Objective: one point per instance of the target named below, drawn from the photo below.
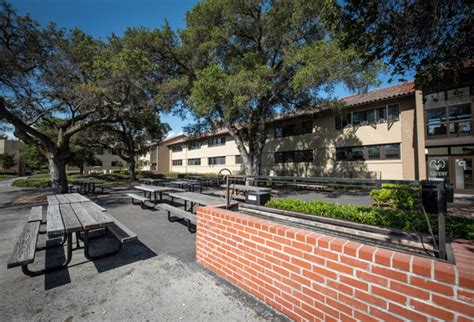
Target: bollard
(442, 209)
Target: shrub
(397, 196)
(412, 221)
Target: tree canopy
(433, 39)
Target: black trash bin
(429, 194)
(258, 198)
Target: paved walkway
(154, 279)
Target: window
(238, 159)
(449, 121)
(294, 156)
(294, 129)
(112, 164)
(393, 113)
(177, 148)
(216, 141)
(196, 161)
(177, 162)
(194, 145)
(216, 160)
(371, 152)
(392, 151)
(153, 166)
(384, 114)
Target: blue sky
(100, 18)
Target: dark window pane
(436, 130)
(307, 127)
(381, 115)
(194, 145)
(392, 151)
(342, 154)
(373, 152)
(371, 116)
(288, 156)
(393, 113)
(194, 161)
(357, 153)
(238, 159)
(178, 162)
(278, 132)
(359, 118)
(176, 148)
(460, 112)
(436, 115)
(278, 157)
(466, 150)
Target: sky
(100, 18)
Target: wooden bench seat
(25, 249)
(189, 217)
(308, 186)
(36, 214)
(121, 232)
(141, 199)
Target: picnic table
(67, 214)
(149, 190)
(186, 184)
(152, 181)
(86, 186)
(242, 187)
(196, 199)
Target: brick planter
(311, 276)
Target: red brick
(302, 246)
(313, 276)
(432, 286)
(292, 232)
(325, 290)
(383, 257)
(281, 256)
(339, 306)
(324, 272)
(372, 300)
(354, 282)
(313, 311)
(405, 289)
(401, 261)
(463, 319)
(444, 272)
(274, 245)
(354, 303)
(312, 238)
(454, 305)
(291, 267)
(315, 259)
(314, 295)
(345, 318)
(407, 313)
(363, 317)
(340, 268)
(354, 262)
(265, 235)
(300, 263)
(293, 251)
(326, 254)
(281, 271)
(303, 298)
(337, 244)
(384, 316)
(340, 287)
(351, 248)
(366, 252)
(372, 278)
(386, 294)
(466, 279)
(431, 310)
(306, 315)
(466, 296)
(282, 240)
(300, 279)
(421, 266)
(390, 273)
(324, 241)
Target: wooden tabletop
(198, 198)
(185, 182)
(154, 188)
(75, 217)
(243, 187)
(66, 198)
(152, 180)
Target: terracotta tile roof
(381, 94)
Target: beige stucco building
(12, 147)
(395, 132)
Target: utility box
(257, 198)
(429, 194)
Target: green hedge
(42, 180)
(412, 221)
(399, 196)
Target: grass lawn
(41, 180)
(5, 176)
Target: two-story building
(390, 133)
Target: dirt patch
(32, 198)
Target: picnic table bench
(63, 219)
(186, 184)
(148, 192)
(152, 181)
(242, 187)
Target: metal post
(442, 208)
(227, 196)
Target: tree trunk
(57, 172)
(131, 170)
(81, 169)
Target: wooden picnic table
(66, 198)
(186, 184)
(88, 186)
(196, 199)
(149, 190)
(152, 181)
(242, 187)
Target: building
(12, 147)
(108, 161)
(159, 155)
(395, 132)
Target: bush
(36, 181)
(397, 196)
(412, 221)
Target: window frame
(215, 158)
(194, 159)
(293, 129)
(348, 154)
(292, 157)
(347, 119)
(216, 141)
(177, 163)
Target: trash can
(429, 194)
(258, 198)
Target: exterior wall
(13, 148)
(323, 141)
(107, 158)
(420, 136)
(228, 150)
(312, 276)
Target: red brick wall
(310, 276)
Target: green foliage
(412, 221)
(42, 180)
(7, 161)
(397, 196)
(33, 157)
